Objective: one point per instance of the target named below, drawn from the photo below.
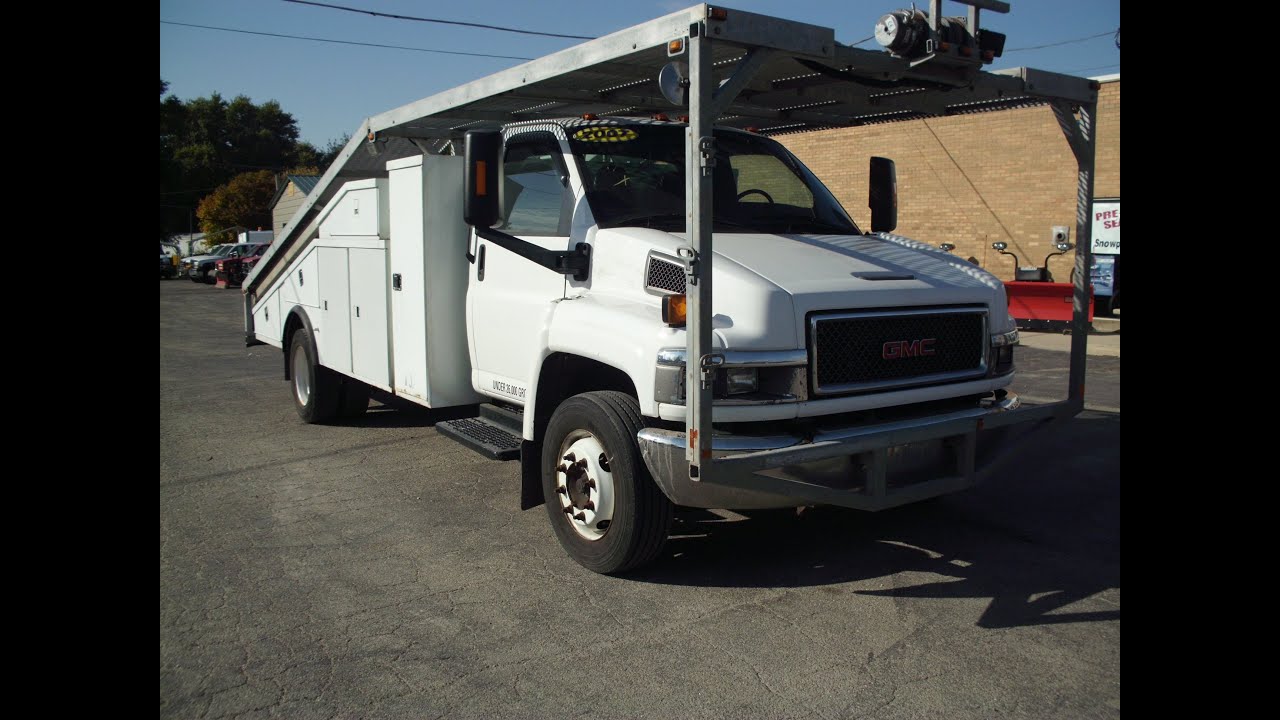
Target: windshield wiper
(650, 218)
(816, 225)
(734, 223)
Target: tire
(316, 390)
(601, 427)
(355, 398)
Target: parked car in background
(231, 270)
(168, 261)
(188, 267)
(206, 268)
(248, 264)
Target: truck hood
(766, 285)
(859, 271)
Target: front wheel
(605, 508)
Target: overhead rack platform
(779, 76)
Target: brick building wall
(973, 179)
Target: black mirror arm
(574, 262)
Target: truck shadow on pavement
(389, 411)
(1034, 540)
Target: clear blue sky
(329, 88)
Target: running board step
(484, 436)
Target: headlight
(1004, 339)
(741, 380)
(767, 377)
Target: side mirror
(883, 199)
(482, 152)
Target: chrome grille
(664, 275)
(863, 351)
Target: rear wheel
(316, 390)
(605, 508)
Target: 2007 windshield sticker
(605, 134)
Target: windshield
(635, 177)
(222, 250)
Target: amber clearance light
(673, 307)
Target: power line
(1100, 67)
(344, 42)
(443, 22)
(1064, 42)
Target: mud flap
(530, 475)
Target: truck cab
(819, 326)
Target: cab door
(509, 298)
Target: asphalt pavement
(375, 569)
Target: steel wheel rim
(301, 375)
(584, 485)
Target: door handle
(480, 266)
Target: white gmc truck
(553, 277)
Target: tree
(244, 202)
(206, 142)
(308, 154)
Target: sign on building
(1106, 226)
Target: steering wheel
(753, 191)
(610, 176)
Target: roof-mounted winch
(921, 37)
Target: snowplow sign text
(1106, 227)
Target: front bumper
(869, 466)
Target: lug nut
(568, 510)
(580, 517)
(590, 484)
(588, 505)
(570, 457)
(562, 490)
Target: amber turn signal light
(673, 309)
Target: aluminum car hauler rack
(771, 76)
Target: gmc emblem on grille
(895, 349)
